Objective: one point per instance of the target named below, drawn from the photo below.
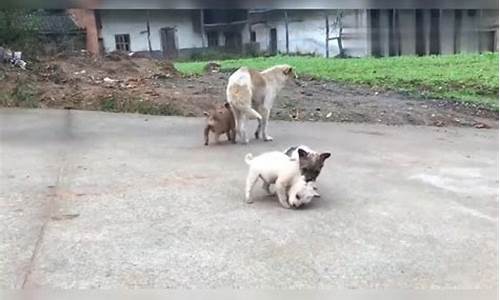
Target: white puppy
(251, 95)
(276, 167)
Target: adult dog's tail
(248, 158)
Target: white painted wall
(133, 22)
(307, 32)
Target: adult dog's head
(284, 72)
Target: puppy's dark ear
(302, 153)
(325, 155)
(206, 113)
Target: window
(253, 36)
(122, 42)
(434, 43)
(213, 38)
(376, 46)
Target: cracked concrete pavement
(99, 200)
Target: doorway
(273, 43)
(168, 44)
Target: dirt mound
(115, 82)
(169, 69)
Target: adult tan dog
(251, 95)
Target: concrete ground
(99, 200)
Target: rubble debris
(480, 125)
(14, 58)
(109, 80)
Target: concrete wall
(133, 22)
(476, 33)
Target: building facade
(181, 33)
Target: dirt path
(314, 100)
(124, 84)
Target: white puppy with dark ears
(276, 167)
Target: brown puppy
(220, 120)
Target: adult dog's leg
(236, 115)
(259, 126)
(265, 118)
(206, 132)
(257, 131)
(251, 180)
(241, 129)
(249, 112)
(252, 113)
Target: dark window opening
(434, 38)
(122, 42)
(419, 32)
(213, 38)
(273, 43)
(375, 33)
(458, 31)
(253, 36)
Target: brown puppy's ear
(206, 113)
(324, 156)
(302, 153)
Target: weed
(24, 94)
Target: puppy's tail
(248, 158)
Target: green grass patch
(471, 78)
